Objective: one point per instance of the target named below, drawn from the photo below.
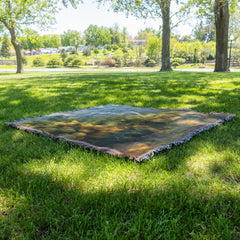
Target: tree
(221, 10)
(115, 35)
(72, 38)
(144, 9)
(50, 41)
(5, 50)
(205, 32)
(31, 41)
(97, 36)
(15, 15)
(154, 48)
(234, 25)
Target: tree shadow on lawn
(44, 203)
(37, 96)
(162, 198)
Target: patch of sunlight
(193, 98)
(200, 162)
(14, 102)
(66, 172)
(10, 202)
(110, 98)
(223, 188)
(5, 207)
(156, 90)
(115, 177)
(17, 135)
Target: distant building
(137, 43)
(48, 50)
(67, 48)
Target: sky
(88, 13)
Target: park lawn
(52, 190)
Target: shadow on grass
(45, 204)
(109, 198)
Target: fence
(8, 62)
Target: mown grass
(52, 190)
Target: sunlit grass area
(52, 190)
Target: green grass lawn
(52, 190)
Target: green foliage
(97, 36)
(86, 52)
(31, 40)
(68, 60)
(119, 60)
(71, 38)
(54, 62)
(5, 49)
(105, 51)
(51, 41)
(53, 190)
(77, 62)
(175, 64)
(109, 62)
(178, 60)
(17, 14)
(109, 47)
(38, 62)
(125, 50)
(74, 51)
(96, 50)
(73, 61)
(24, 60)
(154, 48)
(63, 54)
(115, 35)
(115, 47)
(138, 62)
(150, 62)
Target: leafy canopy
(21, 13)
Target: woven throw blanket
(123, 130)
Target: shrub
(54, 62)
(68, 60)
(115, 46)
(138, 62)
(24, 60)
(76, 62)
(38, 62)
(96, 50)
(125, 50)
(150, 62)
(109, 61)
(86, 52)
(63, 54)
(175, 64)
(97, 62)
(109, 48)
(119, 60)
(178, 60)
(74, 51)
(105, 52)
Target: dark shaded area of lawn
(51, 190)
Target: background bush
(54, 62)
(38, 62)
(86, 52)
(109, 62)
(76, 62)
(178, 60)
(150, 62)
(96, 50)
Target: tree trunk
(221, 12)
(17, 48)
(165, 8)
